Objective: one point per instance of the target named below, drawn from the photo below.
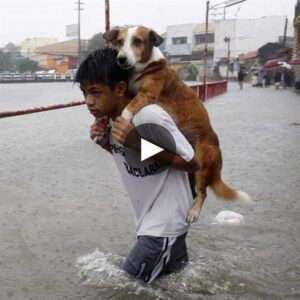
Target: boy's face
(100, 99)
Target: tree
(191, 72)
(28, 65)
(9, 56)
(96, 42)
(6, 62)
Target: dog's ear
(155, 39)
(111, 35)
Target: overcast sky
(20, 19)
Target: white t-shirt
(161, 202)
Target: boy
(161, 201)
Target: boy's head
(102, 81)
(101, 67)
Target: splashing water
(104, 271)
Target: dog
(152, 81)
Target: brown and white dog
(152, 81)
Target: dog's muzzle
(123, 62)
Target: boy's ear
(155, 39)
(121, 88)
(111, 35)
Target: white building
(248, 34)
(180, 39)
(29, 45)
(185, 43)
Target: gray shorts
(152, 257)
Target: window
(200, 38)
(179, 40)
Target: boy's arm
(122, 128)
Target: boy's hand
(99, 132)
(120, 130)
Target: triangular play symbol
(148, 149)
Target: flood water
(67, 224)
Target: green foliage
(191, 72)
(28, 65)
(96, 42)
(6, 62)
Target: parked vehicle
(39, 75)
(70, 74)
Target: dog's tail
(225, 192)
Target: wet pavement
(61, 198)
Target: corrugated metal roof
(248, 55)
(63, 48)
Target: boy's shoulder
(152, 113)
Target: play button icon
(148, 149)
(157, 150)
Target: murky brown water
(61, 199)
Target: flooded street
(66, 220)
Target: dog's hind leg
(209, 158)
(201, 195)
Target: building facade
(29, 45)
(248, 34)
(296, 48)
(185, 43)
(60, 56)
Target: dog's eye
(120, 42)
(137, 42)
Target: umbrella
(285, 65)
(275, 63)
(295, 62)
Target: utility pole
(227, 40)
(285, 31)
(224, 5)
(107, 15)
(205, 51)
(79, 38)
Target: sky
(20, 19)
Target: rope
(7, 114)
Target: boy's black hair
(101, 66)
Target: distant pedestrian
(277, 79)
(283, 80)
(267, 79)
(241, 77)
(259, 79)
(297, 78)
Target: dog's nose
(122, 59)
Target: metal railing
(212, 89)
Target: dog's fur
(153, 81)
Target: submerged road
(61, 198)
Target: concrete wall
(184, 30)
(259, 32)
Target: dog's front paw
(126, 114)
(193, 215)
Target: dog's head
(135, 44)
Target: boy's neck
(121, 104)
